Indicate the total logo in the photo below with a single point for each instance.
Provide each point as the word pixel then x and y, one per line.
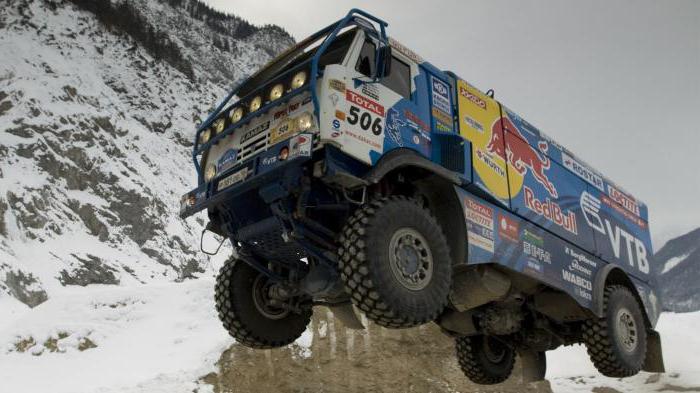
pixel 635 249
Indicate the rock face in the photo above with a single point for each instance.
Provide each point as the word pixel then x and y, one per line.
pixel 678 272
pixel 98 103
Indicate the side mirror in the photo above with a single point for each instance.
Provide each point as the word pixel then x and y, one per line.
pixel 384 61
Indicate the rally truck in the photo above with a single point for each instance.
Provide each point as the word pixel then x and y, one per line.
pixel 351 173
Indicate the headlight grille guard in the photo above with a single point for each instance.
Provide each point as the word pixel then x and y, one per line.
pixel 353 17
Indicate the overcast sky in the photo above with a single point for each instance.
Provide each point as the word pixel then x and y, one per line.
pixel 617 82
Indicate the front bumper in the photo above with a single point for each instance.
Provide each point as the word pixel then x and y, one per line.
pixel 258 170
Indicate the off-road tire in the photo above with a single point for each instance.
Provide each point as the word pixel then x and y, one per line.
pixel 476 365
pixel 242 318
pixel 605 346
pixel 365 269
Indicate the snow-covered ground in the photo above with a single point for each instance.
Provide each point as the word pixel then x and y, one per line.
pixel 164 337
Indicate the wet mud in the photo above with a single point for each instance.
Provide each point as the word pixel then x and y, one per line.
pixel 333 359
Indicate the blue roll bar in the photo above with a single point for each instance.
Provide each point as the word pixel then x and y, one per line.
pixel 337 27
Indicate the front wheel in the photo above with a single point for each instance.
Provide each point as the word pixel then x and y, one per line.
pixel 242 301
pixel 395 262
pixel 617 343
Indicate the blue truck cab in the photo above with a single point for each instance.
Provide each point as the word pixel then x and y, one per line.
pixel 351 173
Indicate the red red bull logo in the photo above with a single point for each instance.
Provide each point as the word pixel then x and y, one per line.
pixel 520 155
pixel 551 211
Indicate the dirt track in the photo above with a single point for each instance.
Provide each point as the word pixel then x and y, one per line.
pixel 342 360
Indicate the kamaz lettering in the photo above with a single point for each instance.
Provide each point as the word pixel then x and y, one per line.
pixel 365 184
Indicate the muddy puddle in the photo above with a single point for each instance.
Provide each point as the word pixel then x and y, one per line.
pixel 336 359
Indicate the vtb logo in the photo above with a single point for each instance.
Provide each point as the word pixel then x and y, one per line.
pixel 520 155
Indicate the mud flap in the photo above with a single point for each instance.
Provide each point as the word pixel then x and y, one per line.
pixel 533 364
pixel 654 362
pixel 347 315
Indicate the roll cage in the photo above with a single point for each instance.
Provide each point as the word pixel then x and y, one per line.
pixel 264 78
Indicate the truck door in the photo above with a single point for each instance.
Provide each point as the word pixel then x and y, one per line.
pixel 383 115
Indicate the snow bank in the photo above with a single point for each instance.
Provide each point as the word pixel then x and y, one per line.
pixel 159 337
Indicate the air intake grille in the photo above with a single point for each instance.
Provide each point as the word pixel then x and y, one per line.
pixel 450 149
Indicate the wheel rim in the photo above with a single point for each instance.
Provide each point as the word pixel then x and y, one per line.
pixel 626 330
pixel 495 351
pixel 410 259
pixel 261 299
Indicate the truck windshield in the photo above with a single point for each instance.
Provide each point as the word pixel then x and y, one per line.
pixel 334 54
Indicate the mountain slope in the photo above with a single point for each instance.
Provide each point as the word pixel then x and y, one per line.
pixel 95 130
pixel 678 271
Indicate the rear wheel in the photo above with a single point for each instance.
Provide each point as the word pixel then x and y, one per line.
pixel 617 343
pixel 395 262
pixel 485 360
pixel 243 304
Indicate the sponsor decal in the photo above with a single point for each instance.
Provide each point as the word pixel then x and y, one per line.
pixel 629 216
pixel 522 157
pixel 340 115
pixel 335 134
pixel 337 84
pixel 405 51
pixel 227 160
pixel 626 201
pixel 300 146
pixel 474 124
pixel 393 126
pixel 282 131
pixel 279 114
pixel 334 99
pixel 293 107
pixel 269 160
pixel 286 111
pixel 441 95
pixel 255 131
pixel 582 171
pixel 635 249
pixel 336 124
pixel 364 102
pixel 413 118
pixel 487 159
pixel 551 211
pixel 232 179
pixel 371 91
pixel 464 92
pixel 580 258
pixel 479 224
pixel 441 127
pixel 442 117
pixel 508 228
pixel 364 140
pixel 534 265
pixel 533 247
pixel 577 280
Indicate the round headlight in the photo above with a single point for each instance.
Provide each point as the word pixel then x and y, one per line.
pixel 305 121
pixel 219 126
pixel 299 79
pixel 236 115
pixel 210 172
pixel 255 104
pixel 204 136
pixel 276 92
